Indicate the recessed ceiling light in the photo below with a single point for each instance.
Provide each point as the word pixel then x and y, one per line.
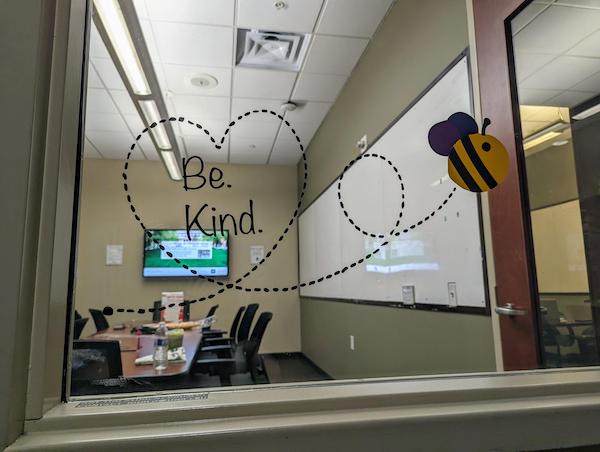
pixel 202 81
pixel 280 5
pixel 252 146
pixel 560 142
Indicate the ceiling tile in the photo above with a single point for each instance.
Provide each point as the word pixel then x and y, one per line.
pixel 334 55
pixel 249 150
pixel 107 122
pixel 148 33
pixel 589 84
pixel 263 84
pixel 113 145
pixel 536 96
pixel 309 112
pixel 241 105
pixel 305 130
pixel 201 108
pixel 557 29
pixel 177 78
pixel 283 159
pixel 581 3
pixel 570 98
pixel 216 129
pixel 528 63
pixel 124 102
pixel 352 17
pixel 136 127
pixel 527 15
pixel 93 81
pixel 98 101
pixel 97 47
pixel 108 73
pixel 298 15
pixel 589 47
pixel 196 45
pixel 89 151
pixel 140 9
pixel 213 12
pixel 246 128
pixel 318 87
pixel 562 73
pixel 203 148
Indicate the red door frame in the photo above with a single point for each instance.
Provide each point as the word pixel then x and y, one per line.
pixel 509 211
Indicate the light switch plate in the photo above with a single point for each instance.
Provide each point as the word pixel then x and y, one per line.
pixel 452 294
pixel 408 294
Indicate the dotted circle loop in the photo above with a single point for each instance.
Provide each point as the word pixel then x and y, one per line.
pixel 341 202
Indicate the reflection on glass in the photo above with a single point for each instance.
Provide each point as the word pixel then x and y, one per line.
pixel 557 69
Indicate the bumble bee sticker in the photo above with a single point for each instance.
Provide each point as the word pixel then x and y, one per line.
pixel 476 162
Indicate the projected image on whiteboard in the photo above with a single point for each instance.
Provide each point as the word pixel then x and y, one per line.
pixel 400 255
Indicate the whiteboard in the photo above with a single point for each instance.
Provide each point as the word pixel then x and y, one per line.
pixel 445 248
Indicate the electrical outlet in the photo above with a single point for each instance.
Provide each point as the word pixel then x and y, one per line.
pixel 452 294
pixel 408 294
pixel 351 342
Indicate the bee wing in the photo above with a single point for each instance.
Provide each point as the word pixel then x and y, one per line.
pixel 442 137
pixel 464 123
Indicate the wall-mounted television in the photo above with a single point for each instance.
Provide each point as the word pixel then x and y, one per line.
pixel 207 253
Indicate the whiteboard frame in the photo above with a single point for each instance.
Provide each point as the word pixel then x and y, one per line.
pixel 486 310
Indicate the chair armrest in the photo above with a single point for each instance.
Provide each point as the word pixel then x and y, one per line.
pixel 215 348
pixel 217 341
pixel 215 361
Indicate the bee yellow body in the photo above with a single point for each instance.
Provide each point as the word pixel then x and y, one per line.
pixel 478 162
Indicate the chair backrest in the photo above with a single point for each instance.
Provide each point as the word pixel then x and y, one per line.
pixel 244 329
pixel 156 311
pixel 99 319
pixel 92 360
pixel 212 310
pixel 236 322
pixel 79 326
pixel 77 315
pixel 252 345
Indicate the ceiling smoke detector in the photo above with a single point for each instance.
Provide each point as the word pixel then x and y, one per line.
pixel 202 81
pixel 289 106
pixel 271 50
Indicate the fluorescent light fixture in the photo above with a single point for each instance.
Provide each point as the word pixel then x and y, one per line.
pixel 588 112
pixel 159 132
pixel 544 135
pixel 114 23
pixel 171 164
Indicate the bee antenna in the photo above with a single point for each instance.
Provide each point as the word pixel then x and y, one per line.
pixel 486 122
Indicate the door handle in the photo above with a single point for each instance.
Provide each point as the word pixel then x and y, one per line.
pixel 510 310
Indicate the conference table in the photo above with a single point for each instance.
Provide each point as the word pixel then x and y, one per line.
pixel 134 346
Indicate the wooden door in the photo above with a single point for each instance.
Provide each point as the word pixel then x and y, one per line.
pixel 515 277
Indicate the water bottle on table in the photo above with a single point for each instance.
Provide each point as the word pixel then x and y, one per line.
pixel 160 359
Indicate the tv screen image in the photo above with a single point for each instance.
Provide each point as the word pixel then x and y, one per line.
pixel 208 253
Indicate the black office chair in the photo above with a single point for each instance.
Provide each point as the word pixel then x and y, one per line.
pixel 245 363
pixel 99 320
pixel 218 339
pixel 207 330
pixel 252 346
pixel 79 326
pixel 77 315
pixel 226 350
pixel 94 360
pixel 156 311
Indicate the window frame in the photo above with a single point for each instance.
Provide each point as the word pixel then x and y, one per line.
pixel 487 394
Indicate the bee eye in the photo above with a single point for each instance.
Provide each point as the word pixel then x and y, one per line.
pixel 486 146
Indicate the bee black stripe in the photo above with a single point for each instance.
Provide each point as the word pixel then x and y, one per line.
pixel 479 166
pixel 463 172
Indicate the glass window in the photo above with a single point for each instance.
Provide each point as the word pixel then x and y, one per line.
pixel 557 80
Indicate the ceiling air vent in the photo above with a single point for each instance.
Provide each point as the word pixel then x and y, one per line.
pixel 271 50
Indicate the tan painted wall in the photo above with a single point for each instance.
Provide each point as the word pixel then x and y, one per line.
pixel 417 40
pixel 106 219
